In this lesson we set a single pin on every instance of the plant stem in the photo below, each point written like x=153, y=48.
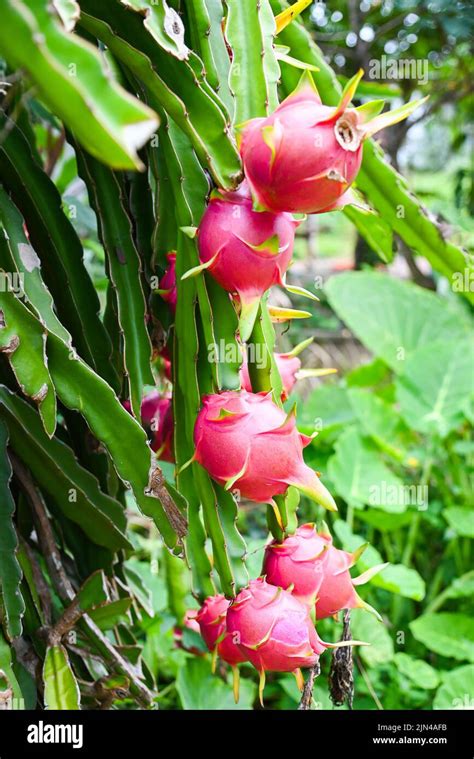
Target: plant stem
x=350, y=515
x=368, y=683
x=412, y=537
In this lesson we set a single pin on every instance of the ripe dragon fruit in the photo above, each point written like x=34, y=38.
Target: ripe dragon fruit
x=211, y=619
x=316, y=571
x=273, y=629
x=304, y=156
x=245, y=251
x=246, y=442
x=157, y=417
x=167, y=284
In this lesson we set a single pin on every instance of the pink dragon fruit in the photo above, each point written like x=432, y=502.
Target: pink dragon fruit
x=245, y=251
x=246, y=442
x=316, y=571
x=273, y=629
x=300, y=557
x=304, y=156
x=213, y=625
x=211, y=619
x=167, y=284
x=157, y=416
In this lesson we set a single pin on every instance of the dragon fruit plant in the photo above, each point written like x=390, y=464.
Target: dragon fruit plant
x=196, y=157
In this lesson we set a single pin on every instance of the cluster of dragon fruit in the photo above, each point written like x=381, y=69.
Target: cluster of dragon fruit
x=301, y=159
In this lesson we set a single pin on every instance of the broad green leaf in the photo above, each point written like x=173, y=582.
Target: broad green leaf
x=199, y=689
x=367, y=628
x=418, y=671
x=446, y=633
x=396, y=578
x=393, y=319
x=327, y=410
x=461, y=520
x=106, y=195
x=383, y=521
x=61, y=690
x=437, y=386
x=59, y=249
x=23, y=341
x=193, y=641
x=68, y=74
x=380, y=421
x=55, y=468
x=461, y=587
x=254, y=71
x=367, y=375
x=402, y=580
x=456, y=690
x=361, y=478
x=10, y=570
x=177, y=86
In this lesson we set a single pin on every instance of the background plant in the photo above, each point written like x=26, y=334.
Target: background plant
x=116, y=122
